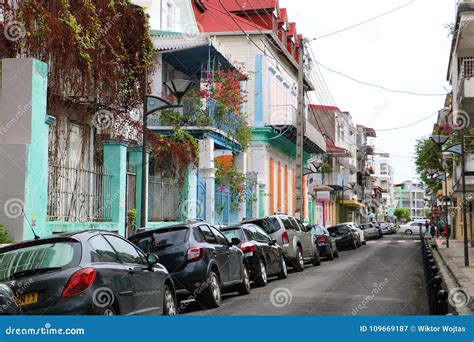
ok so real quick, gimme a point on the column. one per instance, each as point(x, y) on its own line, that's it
point(240, 162)
point(115, 162)
point(207, 171)
point(135, 159)
point(24, 127)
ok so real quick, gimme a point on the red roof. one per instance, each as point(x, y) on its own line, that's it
point(333, 149)
point(291, 29)
point(244, 5)
point(283, 16)
point(321, 107)
point(216, 19)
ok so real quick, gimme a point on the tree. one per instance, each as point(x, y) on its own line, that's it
point(4, 238)
point(402, 214)
point(428, 156)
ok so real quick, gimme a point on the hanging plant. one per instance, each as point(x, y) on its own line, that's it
point(229, 177)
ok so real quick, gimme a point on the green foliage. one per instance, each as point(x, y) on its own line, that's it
point(184, 137)
point(326, 168)
point(229, 176)
point(428, 156)
point(132, 220)
point(402, 214)
point(4, 238)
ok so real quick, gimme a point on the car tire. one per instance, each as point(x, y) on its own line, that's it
point(244, 288)
point(283, 269)
point(330, 254)
point(354, 244)
point(316, 259)
point(169, 302)
point(262, 279)
point(211, 297)
point(408, 232)
point(298, 263)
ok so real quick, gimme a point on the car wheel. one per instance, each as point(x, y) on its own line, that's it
point(169, 302)
point(354, 244)
point(244, 288)
point(107, 311)
point(330, 254)
point(298, 264)
point(211, 297)
point(408, 232)
point(316, 259)
point(283, 269)
point(261, 280)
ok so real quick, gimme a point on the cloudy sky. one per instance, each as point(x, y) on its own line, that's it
point(405, 50)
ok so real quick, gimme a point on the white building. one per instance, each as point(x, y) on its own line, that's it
point(383, 178)
point(411, 196)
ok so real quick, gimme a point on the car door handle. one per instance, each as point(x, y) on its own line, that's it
point(126, 293)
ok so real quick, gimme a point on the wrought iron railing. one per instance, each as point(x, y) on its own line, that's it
point(79, 195)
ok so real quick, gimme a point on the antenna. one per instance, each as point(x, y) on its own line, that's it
point(29, 224)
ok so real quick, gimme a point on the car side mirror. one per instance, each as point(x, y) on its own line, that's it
point(235, 241)
point(273, 242)
point(152, 259)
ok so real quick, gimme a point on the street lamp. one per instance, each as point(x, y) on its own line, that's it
point(153, 104)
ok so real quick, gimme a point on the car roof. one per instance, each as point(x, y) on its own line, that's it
point(174, 226)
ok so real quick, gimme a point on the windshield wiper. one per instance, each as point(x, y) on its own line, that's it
point(34, 271)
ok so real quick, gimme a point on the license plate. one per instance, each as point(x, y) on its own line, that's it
point(27, 299)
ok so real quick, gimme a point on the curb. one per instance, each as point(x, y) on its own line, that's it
point(453, 279)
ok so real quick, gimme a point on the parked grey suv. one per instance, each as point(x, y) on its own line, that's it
point(297, 243)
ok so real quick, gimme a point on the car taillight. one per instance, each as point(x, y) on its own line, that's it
point(285, 238)
point(195, 254)
point(248, 247)
point(79, 282)
point(321, 239)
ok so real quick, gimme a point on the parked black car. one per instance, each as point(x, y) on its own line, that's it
point(263, 255)
point(86, 273)
point(345, 236)
point(8, 304)
point(202, 262)
point(326, 243)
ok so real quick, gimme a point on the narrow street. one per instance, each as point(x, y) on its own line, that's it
point(386, 276)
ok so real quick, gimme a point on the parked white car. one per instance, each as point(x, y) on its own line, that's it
point(411, 228)
point(358, 230)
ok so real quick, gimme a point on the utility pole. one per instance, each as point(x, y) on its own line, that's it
point(300, 128)
point(464, 204)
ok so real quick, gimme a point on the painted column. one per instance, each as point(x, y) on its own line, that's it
point(240, 161)
point(191, 210)
point(207, 171)
point(261, 199)
point(24, 129)
point(258, 96)
point(115, 162)
point(135, 159)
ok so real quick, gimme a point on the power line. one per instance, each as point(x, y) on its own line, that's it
point(363, 22)
point(376, 85)
point(409, 125)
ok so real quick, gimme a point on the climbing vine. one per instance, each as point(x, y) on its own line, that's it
point(228, 176)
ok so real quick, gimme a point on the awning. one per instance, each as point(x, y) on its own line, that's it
point(335, 151)
point(192, 60)
point(323, 188)
point(351, 203)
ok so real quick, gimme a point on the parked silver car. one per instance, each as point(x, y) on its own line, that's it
point(370, 231)
point(298, 244)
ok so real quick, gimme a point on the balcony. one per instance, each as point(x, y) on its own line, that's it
point(465, 86)
point(201, 118)
point(283, 119)
point(457, 180)
point(335, 180)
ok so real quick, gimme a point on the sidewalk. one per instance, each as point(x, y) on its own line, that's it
point(452, 258)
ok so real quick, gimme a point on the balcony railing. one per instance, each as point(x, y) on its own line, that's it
point(205, 114)
point(335, 179)
point(282, 115)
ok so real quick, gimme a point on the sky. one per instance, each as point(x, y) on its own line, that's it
point(405, 50)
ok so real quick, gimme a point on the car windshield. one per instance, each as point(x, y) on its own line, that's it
point(338, 230)
point(163, 239)
point(37, 258)
point(235, 232)
point(317, 230)
point(270, 224)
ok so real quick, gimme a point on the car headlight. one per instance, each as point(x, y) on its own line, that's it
point(6, 291)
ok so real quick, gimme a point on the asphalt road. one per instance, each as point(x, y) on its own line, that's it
point(385, 277)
